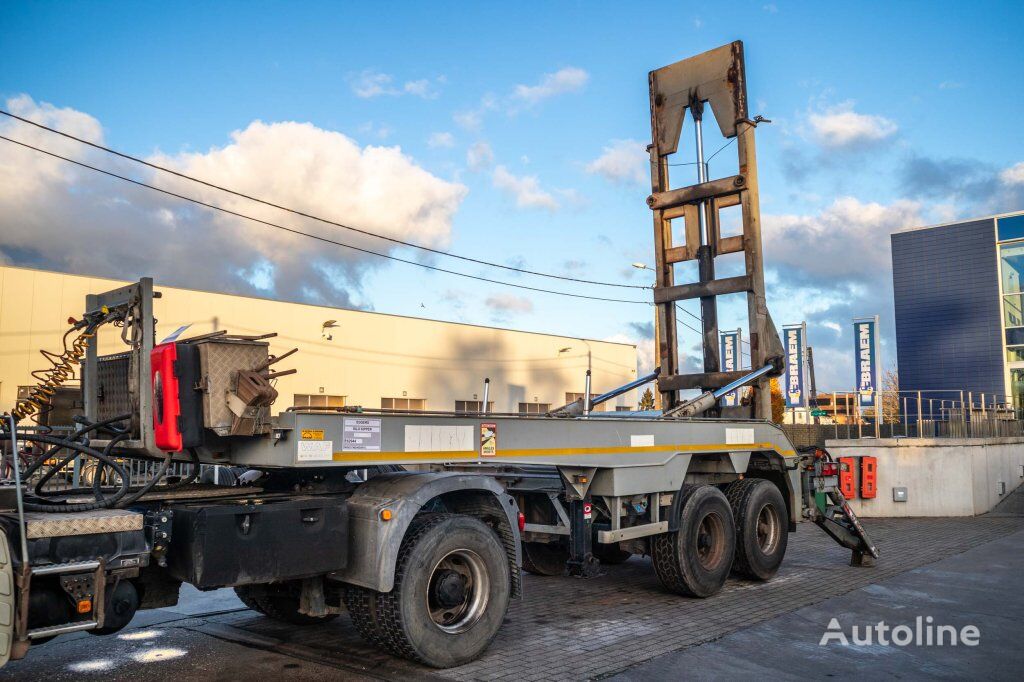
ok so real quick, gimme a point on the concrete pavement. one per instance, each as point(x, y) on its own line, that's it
point(622, 622)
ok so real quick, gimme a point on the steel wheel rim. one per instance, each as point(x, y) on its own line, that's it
point(710, 541)
point(768, 529)
point(472, 570)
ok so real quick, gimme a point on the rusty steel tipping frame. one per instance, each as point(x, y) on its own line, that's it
point(715, 77)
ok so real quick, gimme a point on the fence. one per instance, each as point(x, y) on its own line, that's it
point(908, 414)
point(81, 472)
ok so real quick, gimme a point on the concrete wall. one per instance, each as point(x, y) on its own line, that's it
point(370, 355)
point(943, 476)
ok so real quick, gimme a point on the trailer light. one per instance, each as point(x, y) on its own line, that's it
point(85, 606)
point(385, 514)
point(522, 522)
point(829, 469)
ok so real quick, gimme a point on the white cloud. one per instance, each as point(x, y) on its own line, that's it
point(381, 131)
point(422, 87)
point(950, 85)
point(1014, 175)
point(622, 161)
point(525, 189)
point(479, 156)
point(568, 79)
point(473, 119)
point(644, 352)
point(848, 240)
point(438, 140)
point(468, 120)
point(509, 303)
point(371, 83)
point(840, 127)
point(133, 231)
point(698, 23)
point(771, 8)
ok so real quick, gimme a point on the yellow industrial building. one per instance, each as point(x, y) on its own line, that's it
point(346, 357)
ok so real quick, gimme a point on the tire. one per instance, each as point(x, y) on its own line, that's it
point(246, 596)
point(451, 592)
point(121, 604)
point(280, 602)
point(545, 558)
point(759, 513)
point(695, 559)
point(611, 555)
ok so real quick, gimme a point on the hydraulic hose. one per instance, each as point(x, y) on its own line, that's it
point(80, 449)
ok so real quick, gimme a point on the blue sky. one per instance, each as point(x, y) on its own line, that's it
point(883, 117)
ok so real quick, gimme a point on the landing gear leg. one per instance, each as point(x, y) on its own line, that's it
point(859, 558)
point(582, 562)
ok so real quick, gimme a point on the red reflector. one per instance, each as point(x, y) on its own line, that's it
point(829, 469)
point(522, 522)
point(166, 407)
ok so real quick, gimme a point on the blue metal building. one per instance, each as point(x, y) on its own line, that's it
point(959, 307)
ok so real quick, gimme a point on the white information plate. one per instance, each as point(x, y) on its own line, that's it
point(361, 434)
point(739, 436)
point(435, 438)
point(315, 450)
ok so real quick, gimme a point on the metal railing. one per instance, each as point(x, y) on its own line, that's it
point(908, 414)
point(81, 472)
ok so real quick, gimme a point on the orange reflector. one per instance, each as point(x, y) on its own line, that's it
point(385, 514)
point(85, 606)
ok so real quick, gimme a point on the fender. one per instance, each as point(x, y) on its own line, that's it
point(374, 543)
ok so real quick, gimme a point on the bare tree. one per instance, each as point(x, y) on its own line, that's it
point(890, 397)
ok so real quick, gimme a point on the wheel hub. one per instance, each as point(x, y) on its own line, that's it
point(449, 589)
point(457, 590)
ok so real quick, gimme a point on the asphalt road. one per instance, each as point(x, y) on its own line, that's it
point(624, 626)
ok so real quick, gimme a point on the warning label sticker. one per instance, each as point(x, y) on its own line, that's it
point(488, 439)
point(361, 434)
point(312, 434)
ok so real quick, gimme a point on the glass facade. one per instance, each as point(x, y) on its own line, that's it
point(1010, 234)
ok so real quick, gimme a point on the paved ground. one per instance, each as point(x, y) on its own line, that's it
point(624, 623)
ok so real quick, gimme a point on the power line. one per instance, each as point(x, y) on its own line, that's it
point(678, 321)
point(314, 217)
point(313, 236)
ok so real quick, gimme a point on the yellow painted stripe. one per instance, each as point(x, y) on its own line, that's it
point(557, 452)
point(678, 447)
point(387, 456)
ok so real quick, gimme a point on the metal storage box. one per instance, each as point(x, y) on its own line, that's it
point(219, 361)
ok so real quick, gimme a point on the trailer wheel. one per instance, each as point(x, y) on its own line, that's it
point(695, 559)
point(280, 602)
point(245, 595)
point(611, 555)
point(545, 558)
point(452, 588)
point(761, 534)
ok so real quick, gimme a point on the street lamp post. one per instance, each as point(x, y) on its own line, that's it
point(586, 386)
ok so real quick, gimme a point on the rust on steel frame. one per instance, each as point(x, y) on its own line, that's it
point(716, 77)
